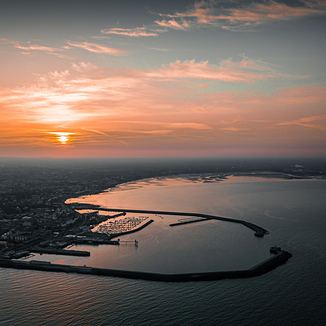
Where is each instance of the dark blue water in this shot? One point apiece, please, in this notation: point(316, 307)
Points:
point(293, 294)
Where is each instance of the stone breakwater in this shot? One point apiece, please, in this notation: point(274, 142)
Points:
point(259, 231)
point(264, 267)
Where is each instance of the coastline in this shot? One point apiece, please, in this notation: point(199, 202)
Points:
point(264, 266)
point(198, 177)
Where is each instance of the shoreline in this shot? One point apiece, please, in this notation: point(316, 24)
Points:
point(198, 177)
point(263, 267)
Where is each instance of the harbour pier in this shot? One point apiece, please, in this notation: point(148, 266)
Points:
point(188, 222)
point(259, 231)
point(264, 267)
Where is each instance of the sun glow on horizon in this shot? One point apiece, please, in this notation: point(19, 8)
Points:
point(190, 78)
point(63, 138)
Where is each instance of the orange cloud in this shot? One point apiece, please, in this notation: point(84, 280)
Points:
point(87, 92)
point(228, 71)
point(269, 12)
point(123, 112)
point(131, 32)
point(189, 125)
point(173, 24)
point(29, 47)
point(313, 121)
point(34, 47)
point(95, 48)
point(244, 15)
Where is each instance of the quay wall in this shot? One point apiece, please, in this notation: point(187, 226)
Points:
point(95, 242)
point(81, 253)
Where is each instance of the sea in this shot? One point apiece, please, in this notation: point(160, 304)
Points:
point(292, 210)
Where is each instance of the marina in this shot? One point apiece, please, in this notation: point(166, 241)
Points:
point(121, 225)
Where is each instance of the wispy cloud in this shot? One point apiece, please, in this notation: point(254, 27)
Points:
point(95, 48)
point(312, 121)
point(131, 32)
point(245, 70)
point(63, 96)
point(110, 110)
point(30, 47)
point(235, 129)
point(189, 125)
point(173, 24)
point(237, 15)
point(55, 97)
point(264, 12)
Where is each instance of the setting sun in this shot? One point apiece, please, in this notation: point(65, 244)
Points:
point(63, 138)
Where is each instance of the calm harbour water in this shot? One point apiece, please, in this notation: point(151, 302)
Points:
point(294, 211)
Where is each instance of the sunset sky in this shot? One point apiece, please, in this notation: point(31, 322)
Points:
point(162, 78)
